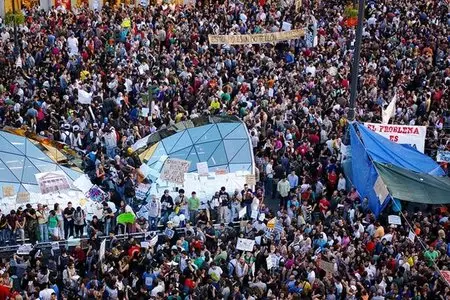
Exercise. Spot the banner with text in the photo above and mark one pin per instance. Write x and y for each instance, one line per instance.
(402, 134)
(260, 38)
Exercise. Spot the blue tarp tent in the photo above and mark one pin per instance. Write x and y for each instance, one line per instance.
(368, 147)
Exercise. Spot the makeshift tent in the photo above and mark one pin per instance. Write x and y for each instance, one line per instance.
(414, 187)
(371, 152)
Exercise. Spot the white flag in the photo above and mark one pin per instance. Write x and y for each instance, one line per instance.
(389, 112)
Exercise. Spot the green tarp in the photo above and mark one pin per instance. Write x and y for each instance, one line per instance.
(414, 187)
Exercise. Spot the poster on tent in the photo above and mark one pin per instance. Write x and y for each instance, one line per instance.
(402, 134)
(202, 168)
(380, 190)
(8, 190)
(50, 182)
(174, 169)
(443, 156)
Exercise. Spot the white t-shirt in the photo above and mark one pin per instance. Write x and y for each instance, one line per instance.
(46, 294)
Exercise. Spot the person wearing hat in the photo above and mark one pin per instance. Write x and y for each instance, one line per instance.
(67, 136)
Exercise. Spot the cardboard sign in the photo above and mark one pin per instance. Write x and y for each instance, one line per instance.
(402, 134)
(245, 244)
(250, 180)
(174, 169)
(202, 168)
(23, 197)
(8, 190)
(326, 266)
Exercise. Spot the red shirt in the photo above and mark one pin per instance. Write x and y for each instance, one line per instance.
(370, 246)
(4, 292)
(324, 205)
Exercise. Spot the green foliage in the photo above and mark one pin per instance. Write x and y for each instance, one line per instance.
(18, 17)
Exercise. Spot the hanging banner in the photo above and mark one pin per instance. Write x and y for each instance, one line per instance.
(443, 156)
(402, 134)
(260, 38)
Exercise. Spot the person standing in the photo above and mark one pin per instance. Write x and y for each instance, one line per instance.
(166, 206)
(283, 188)
(293, 181)
(154, 212)
(42, 217)
(79, 220)
(31, 224)
(11, 220)
(3, 229)
(193, 206)
(225, 205)
(68, 213)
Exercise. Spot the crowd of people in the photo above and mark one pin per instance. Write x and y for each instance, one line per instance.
(321, 242)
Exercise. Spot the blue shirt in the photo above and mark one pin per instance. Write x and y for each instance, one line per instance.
(293, 181)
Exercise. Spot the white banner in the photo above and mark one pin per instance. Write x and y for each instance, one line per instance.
(394, 219)
(245, 244)
(402, 134)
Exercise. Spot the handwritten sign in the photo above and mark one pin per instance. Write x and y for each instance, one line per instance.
(245, 244)
(260, 38)
(8, 190)
(202, 168)
(174, 169)
(23, 197)
(326, 266)
(250, 179)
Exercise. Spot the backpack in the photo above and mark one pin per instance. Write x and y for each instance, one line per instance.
(67, 139)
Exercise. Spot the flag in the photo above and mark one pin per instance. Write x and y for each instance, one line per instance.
(389, 112)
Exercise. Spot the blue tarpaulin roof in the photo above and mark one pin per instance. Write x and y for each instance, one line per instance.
(383, 150)
(369, 147)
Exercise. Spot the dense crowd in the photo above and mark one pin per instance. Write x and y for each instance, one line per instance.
(321, 243)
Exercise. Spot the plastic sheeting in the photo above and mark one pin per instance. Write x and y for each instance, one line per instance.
(415, 187)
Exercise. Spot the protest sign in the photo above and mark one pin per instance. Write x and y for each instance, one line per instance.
(402, 134)
(83, 183)
(169, 233)
(245, 244)
(145, 244)
(126, 218)
(250, 180)
(254, 214)
(242, 212)
(411, 236)
(96, 194)
(8, 190)
(55, 245)
(380, 190)
(102, 251)
(84, 97)
(395, 220)
(50, 182)
(25, 249)
(142, 190)
(260, 38)
(326, 266)
(286, 26)
(23, 197)
(153, 241)
(174, 169)
(269, 262)
(443, 156)
(202, 168)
